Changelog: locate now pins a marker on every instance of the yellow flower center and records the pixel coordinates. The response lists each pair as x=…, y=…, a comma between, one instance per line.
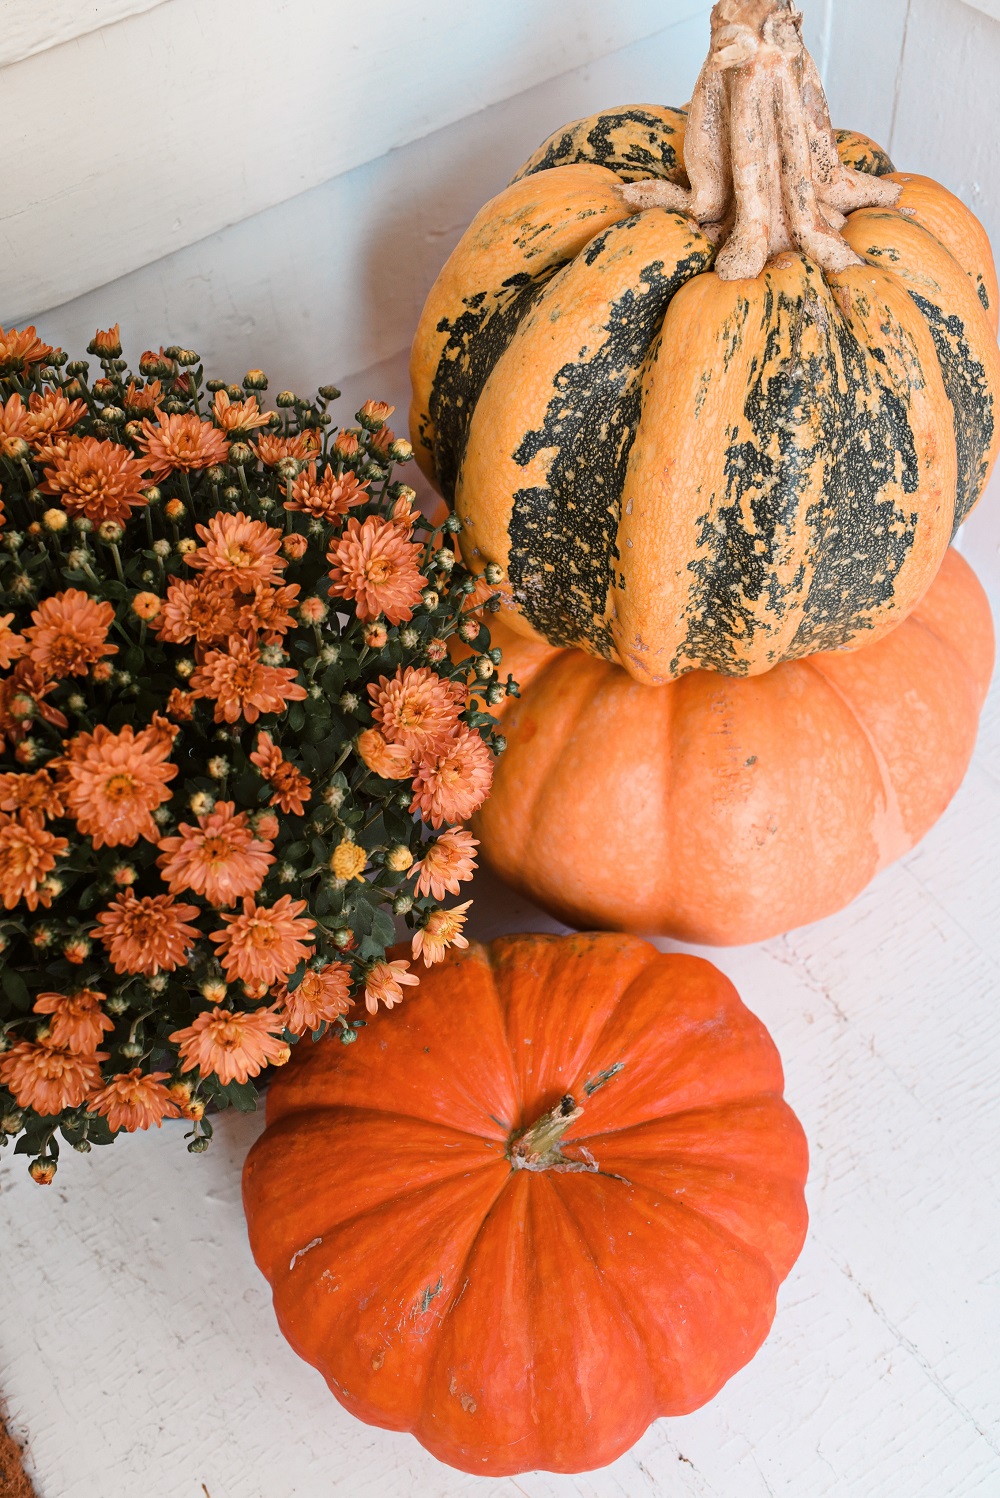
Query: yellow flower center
x=119, y=787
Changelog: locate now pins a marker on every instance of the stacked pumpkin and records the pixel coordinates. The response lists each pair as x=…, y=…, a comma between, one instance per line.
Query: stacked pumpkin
x=714, y=388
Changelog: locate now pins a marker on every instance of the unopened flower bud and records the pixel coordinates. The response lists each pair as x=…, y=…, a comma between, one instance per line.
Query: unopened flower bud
x=484, y=667
x=186, y=545
x=214, y=990
x=117, y=1004
x=42, y=1172
x=374, y=414
x=107, y=344
x=218, y=767
x=430, y=598
x=493, y=573
x=241, y=453
x=184, y=668
x=329, y=392
x=399, y=859
x=55, y=520
x=334, y=797
x=294, y=546
x=198, y=1146
x=201, y=803
x=402, y=904
x=174, y=509
x=157, y=983
x=343, y=940
x=495, y=693
x=146, y=606
x=113, y=415
x=216, y=474
x=376, y=636
x=499, y=743
x=11, y=1121
x=110, y=531
x=409, y=638
x=468, y=630
x=83, y=1146
x=285, y=398
x=255, y=379
x=400, y=451
x=132, y=1050
x=349, y=702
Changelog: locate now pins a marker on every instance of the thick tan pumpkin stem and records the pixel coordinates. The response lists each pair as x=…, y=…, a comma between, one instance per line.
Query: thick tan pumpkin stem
x=760, y=152
x=539, y=1148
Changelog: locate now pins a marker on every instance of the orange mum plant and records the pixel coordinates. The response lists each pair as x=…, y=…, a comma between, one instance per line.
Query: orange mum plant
x=233, y=741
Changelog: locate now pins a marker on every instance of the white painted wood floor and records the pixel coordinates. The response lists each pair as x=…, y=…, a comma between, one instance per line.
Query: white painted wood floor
x=139, y=1354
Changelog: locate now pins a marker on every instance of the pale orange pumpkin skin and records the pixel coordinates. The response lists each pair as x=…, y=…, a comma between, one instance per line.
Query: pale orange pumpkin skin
x=515, y=1319
x=726, y=811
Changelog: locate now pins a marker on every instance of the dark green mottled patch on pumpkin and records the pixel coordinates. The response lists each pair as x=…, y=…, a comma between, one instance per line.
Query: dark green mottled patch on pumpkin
x=476, y=340
x=863, y=155
x=967, y=387
x=833, y=408
x=563, y=533
x=632, y=142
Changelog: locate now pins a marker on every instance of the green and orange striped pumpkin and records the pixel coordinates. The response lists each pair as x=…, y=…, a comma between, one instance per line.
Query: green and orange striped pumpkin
x=677, y=471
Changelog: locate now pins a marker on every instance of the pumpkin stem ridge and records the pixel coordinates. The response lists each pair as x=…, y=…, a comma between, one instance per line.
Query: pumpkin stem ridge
x=760, y=151
x=540, y=1147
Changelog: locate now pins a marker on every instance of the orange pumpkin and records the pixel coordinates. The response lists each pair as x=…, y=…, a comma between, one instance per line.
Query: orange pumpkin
x=721, y=810
x=716, y=427
x=546, y=1201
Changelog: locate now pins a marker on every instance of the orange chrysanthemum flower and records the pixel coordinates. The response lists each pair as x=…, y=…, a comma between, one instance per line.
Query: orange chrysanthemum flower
x=447, y=863
x=374, y=414
x=292, y=789
x=114, y=781
x=68, y=633
x=180, y=705
x=37, y=792
x=147, y=936
x=27, y=857
x=390, y=761
x=132, y=1100
x=328, y=497
x=267, y=612
x=181, y=443
x=219, y=858
x=140, y=399
x=18, y=349
x=50, y=416
x=13, y=425
x=456, y=782
x=417, y=708
x=375, y=565
x=197, y=611
x=240, y=685
x=237, y=416
x=266, y=942
x=12, y=646
x=442, y=929
x=238, y=552
x=323, y=994
x=232, y=1044
x=106, y=342
x=383, y=983
x=78, y=1022
x=44, y=1076
x=22, y=700
x=272, y=449
x=98, y=480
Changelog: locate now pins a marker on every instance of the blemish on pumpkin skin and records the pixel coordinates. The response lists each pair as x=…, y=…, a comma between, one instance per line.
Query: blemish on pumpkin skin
x=465, y=1400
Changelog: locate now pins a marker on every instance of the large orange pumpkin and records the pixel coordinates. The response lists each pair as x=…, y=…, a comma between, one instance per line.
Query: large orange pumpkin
x=723, y=810
x=546, y=1201
x=708, y=429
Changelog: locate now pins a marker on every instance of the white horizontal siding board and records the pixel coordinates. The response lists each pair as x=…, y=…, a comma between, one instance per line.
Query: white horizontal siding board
x=230, y=106
x=334, y=280
x=31, y=26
